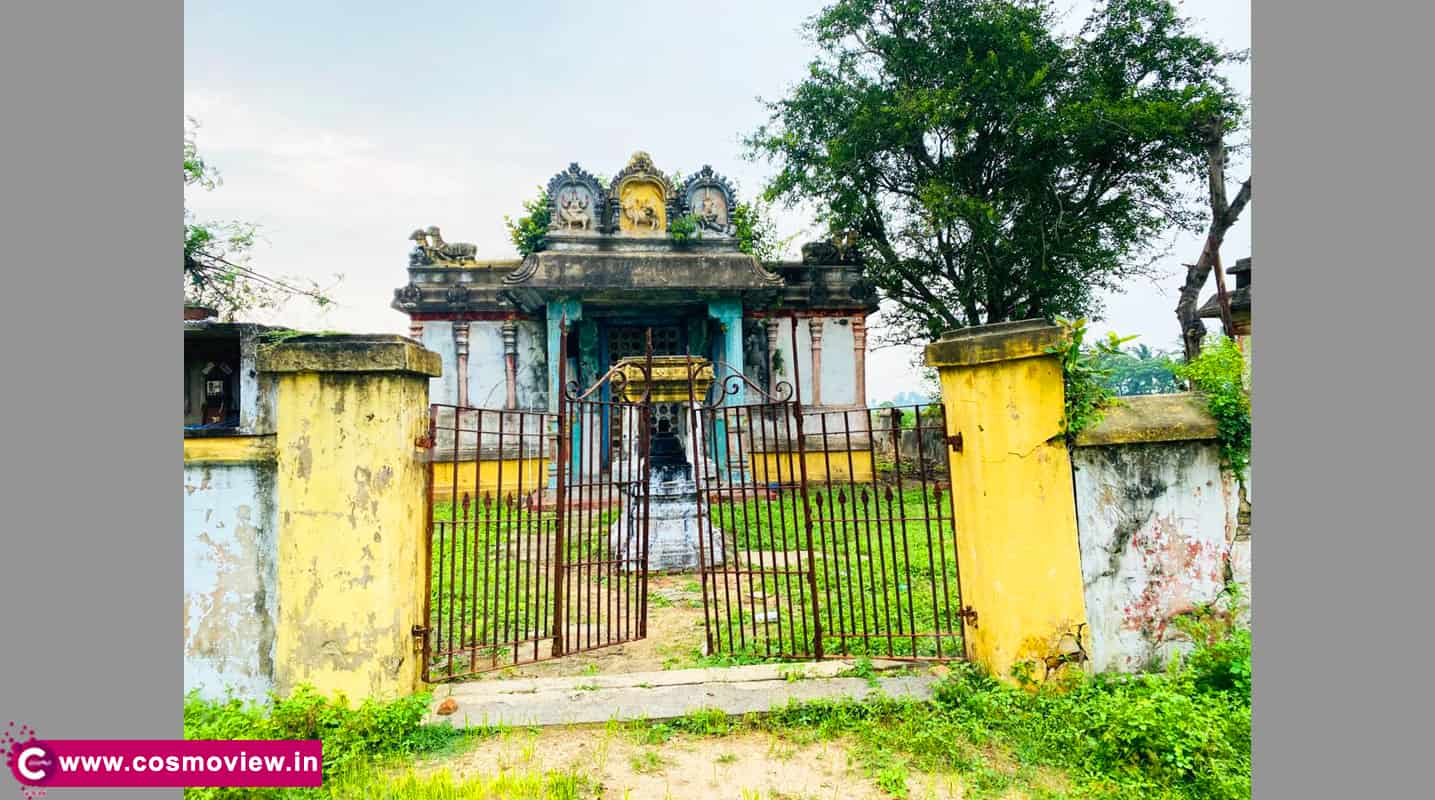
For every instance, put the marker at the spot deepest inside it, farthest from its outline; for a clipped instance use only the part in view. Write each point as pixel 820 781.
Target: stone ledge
pixel 1152 418
pixel 232 449
pixel 349 353
pixel 987 344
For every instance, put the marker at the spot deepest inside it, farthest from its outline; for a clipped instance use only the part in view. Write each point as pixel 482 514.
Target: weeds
pixel 647 762
pixel 1182 733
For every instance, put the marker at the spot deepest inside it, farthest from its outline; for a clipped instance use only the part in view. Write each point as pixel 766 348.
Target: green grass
pixel 506 785
pixel 492 581
pixel 369 751
pixel 885 575
pixel 357 740
pixel 1181 734
pixel 885 567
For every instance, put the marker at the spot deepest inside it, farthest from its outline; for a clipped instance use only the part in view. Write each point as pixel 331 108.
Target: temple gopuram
pixel 611 270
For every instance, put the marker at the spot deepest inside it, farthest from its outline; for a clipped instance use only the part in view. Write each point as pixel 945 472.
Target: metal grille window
pixel 625 341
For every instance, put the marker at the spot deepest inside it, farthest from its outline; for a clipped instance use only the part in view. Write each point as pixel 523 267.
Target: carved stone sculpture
pixel 408 297
pixel 841 249
pixel 456 295
pixel 419 256
pixel 430 248
pixel 575 201
pixel 641 212
pixel 450 251
pixel 643 196
pixel 575 211
pixel 712 212
pixel 710 198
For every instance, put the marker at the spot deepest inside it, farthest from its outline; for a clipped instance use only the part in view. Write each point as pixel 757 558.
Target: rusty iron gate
pixel 537 529
pixel 825 532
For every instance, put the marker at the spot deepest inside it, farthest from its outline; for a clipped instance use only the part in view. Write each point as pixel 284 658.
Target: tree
pixel 1223 215
pixel 216 254
pixel 1139 370
pixel 990 168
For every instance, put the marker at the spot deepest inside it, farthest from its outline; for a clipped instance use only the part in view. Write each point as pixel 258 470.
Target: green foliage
pixel 1139 370
pixel 506 785
pixel 778 361
pixel 354 738
pixel 1087 374
pixel 756 233
pixel 529 233
pixel 907 601
pixel 217 271
pixel 684 229
pixel 1183 733
pixel 991 167
pixel 1219 373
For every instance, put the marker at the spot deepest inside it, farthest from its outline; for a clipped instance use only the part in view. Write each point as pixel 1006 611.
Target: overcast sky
pixel 340 127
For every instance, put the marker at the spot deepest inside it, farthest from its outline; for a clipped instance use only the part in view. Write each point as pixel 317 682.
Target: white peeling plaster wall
pixel 839 364
pixel 438 337
pixel 532 364
pixel 839 369
pixel 229 579
pixel 1156 522
pixel 487 373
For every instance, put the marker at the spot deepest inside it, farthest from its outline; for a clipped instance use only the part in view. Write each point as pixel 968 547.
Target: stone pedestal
pixel 673 515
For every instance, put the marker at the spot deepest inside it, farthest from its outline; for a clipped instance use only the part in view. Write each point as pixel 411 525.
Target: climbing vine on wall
pixel 1087 372
pixel 1218 373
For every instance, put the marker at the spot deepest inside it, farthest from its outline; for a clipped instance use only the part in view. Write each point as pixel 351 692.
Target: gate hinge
pixel 424 442
pixel 420 630
pixel 970 615
pixel 955 442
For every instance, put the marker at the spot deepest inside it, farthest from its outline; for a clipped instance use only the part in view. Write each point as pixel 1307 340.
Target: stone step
pixel 665 695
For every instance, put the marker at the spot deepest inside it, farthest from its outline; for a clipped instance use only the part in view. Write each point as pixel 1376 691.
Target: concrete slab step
pixel 664 695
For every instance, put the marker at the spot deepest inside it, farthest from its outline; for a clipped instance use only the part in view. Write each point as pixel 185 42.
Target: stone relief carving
pixel 575 210
pixel 710 198
pixel 641 210
pixel 456 295
pixel 430 248
pixel 575 201
pixel 839 249
pixel 408 297
pixel 419 256
pixel 643 197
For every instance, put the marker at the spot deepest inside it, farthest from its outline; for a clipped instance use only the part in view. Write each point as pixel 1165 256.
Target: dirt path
pixel 747 766
pixel 675 638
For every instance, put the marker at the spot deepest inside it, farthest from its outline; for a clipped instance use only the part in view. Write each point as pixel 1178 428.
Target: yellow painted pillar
pixel 1018 557
pixel 351 491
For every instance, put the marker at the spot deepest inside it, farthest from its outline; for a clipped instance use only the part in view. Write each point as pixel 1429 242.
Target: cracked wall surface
pixel 1157 523
pixel 350 530
pixel 230 580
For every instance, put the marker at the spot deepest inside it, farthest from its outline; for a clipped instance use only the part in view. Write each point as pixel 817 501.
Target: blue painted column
pixel 570 310
pixel 728 314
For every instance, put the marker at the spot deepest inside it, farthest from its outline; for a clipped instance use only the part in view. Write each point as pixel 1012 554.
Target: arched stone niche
pixel 710 198
pixel 575 202
pixel 642 198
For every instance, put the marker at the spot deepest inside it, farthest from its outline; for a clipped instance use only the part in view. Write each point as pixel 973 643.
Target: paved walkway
pixel 666 694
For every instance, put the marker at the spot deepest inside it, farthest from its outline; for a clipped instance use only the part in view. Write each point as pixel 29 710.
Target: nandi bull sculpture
pixel 431 248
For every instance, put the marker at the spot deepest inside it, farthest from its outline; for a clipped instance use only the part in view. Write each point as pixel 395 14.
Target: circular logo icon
pixel 33 763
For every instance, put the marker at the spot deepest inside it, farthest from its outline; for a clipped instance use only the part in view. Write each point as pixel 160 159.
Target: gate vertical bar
pixel 559 549
pixel 427 549
pixel 807 512
pixel 645 411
